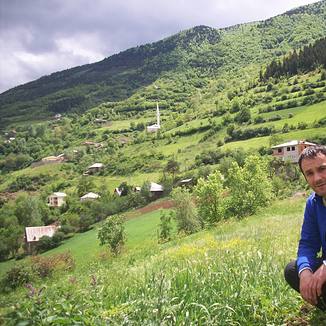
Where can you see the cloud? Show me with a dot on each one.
(39, 37)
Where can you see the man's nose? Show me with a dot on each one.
(317, 177)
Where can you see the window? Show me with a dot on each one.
(279, 150)
(293, 148)
(288, 149)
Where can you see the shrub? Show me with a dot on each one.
(67, 229)
(17, 276)
(46, 266)
(45, 243)
(250, 187)
(209, 197)
(185, 211)
(112, 233)
(165, 227)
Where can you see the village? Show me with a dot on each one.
(286, 152)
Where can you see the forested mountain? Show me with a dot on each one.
(309, 58)
(193, 56)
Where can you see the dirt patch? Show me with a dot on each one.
(162, 204)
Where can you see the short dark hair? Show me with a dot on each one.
(310, 153)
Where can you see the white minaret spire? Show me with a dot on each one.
(155, 127)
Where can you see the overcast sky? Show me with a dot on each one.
(38, 37)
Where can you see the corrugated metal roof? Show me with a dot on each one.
(34, 233)
(96, 165)
(58, 194)
(90, 195)
(156, 187)
(294, 143)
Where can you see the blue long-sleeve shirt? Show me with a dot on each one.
(313, 234)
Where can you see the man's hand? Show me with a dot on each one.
(311, 284)
(320, 279)
(307, 287)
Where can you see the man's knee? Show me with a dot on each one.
(291, 275)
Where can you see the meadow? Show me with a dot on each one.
(231, 274)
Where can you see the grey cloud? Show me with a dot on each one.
(58, 34)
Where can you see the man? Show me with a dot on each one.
(307, 274)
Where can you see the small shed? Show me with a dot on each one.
(96, 167)
(156, 189)
(57, 199)
(90, 196)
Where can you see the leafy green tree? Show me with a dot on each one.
(28, 211)
(125, 188)
(172, 167)
(10, 232)
(85, 185)
(165, 227)
(250, 186)
(86, 219)
(185, 211)
(112, 233)
(145, 191)
(209, 198)
(243, 116)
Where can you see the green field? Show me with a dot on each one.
(229, 275)
(264, 141)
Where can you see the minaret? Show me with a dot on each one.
(158, 114)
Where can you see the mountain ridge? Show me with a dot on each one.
(202, 51)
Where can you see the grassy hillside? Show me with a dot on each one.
(181, 64)
(183, 281)
(215, 109)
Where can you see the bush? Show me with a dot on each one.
(46, 266)
(18, 275)
(165, 227)
(185, 211)
(112, 233)
(67, 229)
(209, 198)
(250, 187)
(46, 243)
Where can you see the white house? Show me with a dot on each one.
(155, 127)
(34, 233)
(57, 199)
(291, 150)
(89, 196)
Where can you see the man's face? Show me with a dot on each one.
(314, 170)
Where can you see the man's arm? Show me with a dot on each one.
(309, 246)
(310, 242)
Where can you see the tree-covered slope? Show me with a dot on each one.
(195, 56)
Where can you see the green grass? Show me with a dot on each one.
(307, 114)
(85, 246)
(48, 169)
(229, 275)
